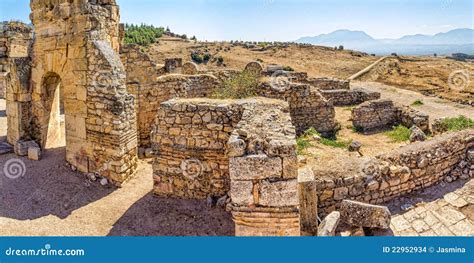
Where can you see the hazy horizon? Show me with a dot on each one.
(285, 20)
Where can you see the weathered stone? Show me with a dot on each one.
(329, 225)
(355, 146)
(34, 153)
(417, 135)
(281, 193)
(365, 215)
(21, 147)
(241, 192)
(255, 167)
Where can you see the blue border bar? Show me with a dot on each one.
(233, 249)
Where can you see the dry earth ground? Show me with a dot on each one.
(315, 60)
(52, 200)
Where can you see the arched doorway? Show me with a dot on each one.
(55, 132)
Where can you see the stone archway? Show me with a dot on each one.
(52, 100)
(76, 50)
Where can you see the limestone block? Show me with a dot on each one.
(255, 167)
(277, 194)
(365, 215)
(241, 192)
(21, 147)
(34, 153)
(329, 224)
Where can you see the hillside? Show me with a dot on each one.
(317, 61)
(428, 75)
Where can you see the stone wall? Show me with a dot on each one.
(15, 73)
(151, 95)
(189, 140)
(308, 108)
(246, 148)
(407, 169)
(349, 97)
(75, 62)
(382, 114)
(328, 83)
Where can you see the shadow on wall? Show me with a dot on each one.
(48, 187)
(157, 216)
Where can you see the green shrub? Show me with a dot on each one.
(399, 133)
(458, 124)
(196, 57)
(142, 35)
(288, 68)
(304, 141)
(241, 86)
(417, 103)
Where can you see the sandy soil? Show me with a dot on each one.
(51, 200)
(316, 61)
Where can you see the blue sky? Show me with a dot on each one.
(284, 20)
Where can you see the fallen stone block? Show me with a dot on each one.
(329, 224)
(34, 153)
(365, 215)
(417, 135)
(21, 147)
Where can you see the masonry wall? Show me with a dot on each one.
(308, 108)
(189, 140)
(348, 97)
(151, 95)
(15, 73)
(380, 114)
(76, 45)
(243, 148)
(328, 83)
(410, 168)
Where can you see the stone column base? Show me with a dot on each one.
(266, 221)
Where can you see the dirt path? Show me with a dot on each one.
(433, 106)
(367, 69)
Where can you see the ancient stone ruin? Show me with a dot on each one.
(380, 114)
(241, 153)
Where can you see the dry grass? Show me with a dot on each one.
(317, 61)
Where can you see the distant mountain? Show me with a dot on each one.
(339, 37)
(455, 41)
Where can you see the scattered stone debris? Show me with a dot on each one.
(329, 225)
(355, 146)
(104, 182)
(21, 147)
(34, 153)
(417, 135)
(365, 215)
